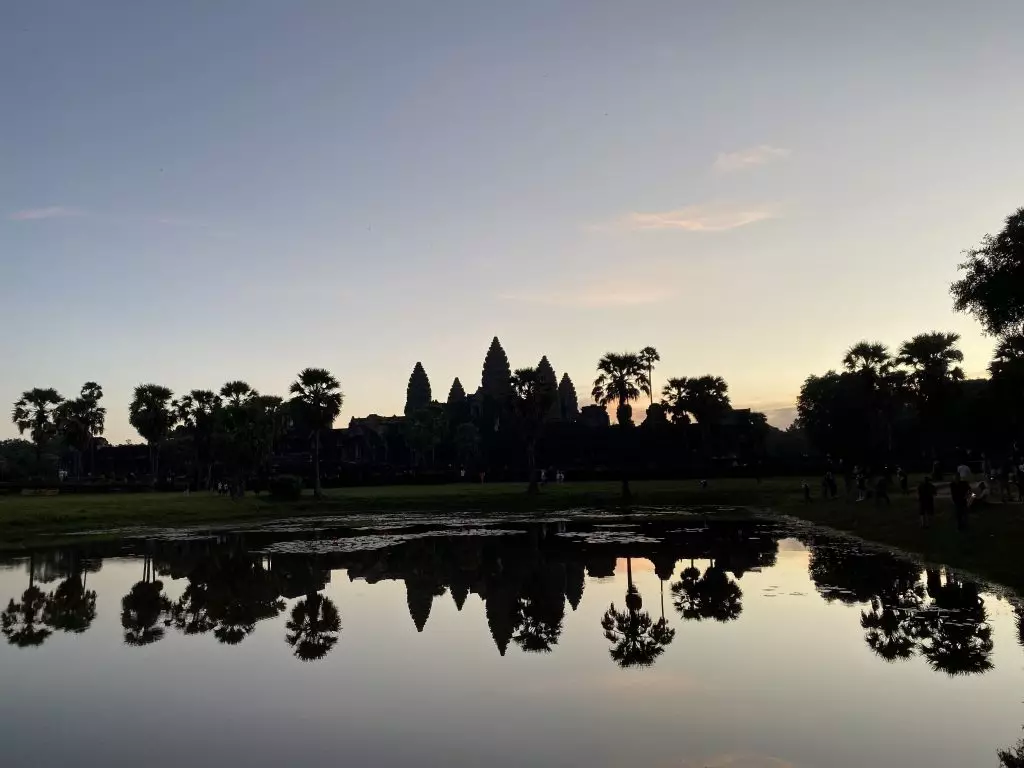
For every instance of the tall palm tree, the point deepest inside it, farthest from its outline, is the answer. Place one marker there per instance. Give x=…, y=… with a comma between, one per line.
x=648, y=357
x=933, y=363
x=237, y=392
x=883, y=383
x=146, y=610
x=22, y=623
x=317, y=398
x=152, y=415
x=81, y=421
x=313, y=627
x=532, y=399
x=71, y=607
x=621, y=379
x=34, y=413
x=1008, y=361
x=637, y=640
x=198, y=414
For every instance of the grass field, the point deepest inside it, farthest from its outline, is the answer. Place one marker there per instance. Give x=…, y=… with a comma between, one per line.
x=991, y=548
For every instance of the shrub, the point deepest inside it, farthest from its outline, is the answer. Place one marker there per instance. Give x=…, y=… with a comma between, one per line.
x=285, y=487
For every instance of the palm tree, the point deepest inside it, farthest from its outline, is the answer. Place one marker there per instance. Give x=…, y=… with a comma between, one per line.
x=648, y=357
x=317, y=398
x=34, y=413
x=882, y=382
x=197, y=414
x=22, y=623
x=637, y=640
x=933, y=362
x=145, y=610
x=237, y=392
x=1008, y=361
x=705, y=398
x=532, y=399
x=153, y=417
x=313, y=627
x=81, y=421
x=621, y=379
x=72, y=607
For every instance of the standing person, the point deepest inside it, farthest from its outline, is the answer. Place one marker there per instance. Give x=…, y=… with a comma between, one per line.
x=960, y=493
x=862, y=484
x=1005, y=471
x=963, y=471
x=833, y=487
x=806, y=488
x=926, y=501
x=901, y=475
x=882, y=490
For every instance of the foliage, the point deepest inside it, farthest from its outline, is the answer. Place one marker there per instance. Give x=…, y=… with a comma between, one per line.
x=22, y=623
x=82, y=420
x=417, y=394
x=34, y=413
x=467, y=444
x=636, y=640
x=313, y=627
x=992, y=287
x=703, y=397
x=236, y=392
x=152, y=415
x=285, y=487
x=316, y=403
x=533, y=395
x=621, y=379
x=648, y=357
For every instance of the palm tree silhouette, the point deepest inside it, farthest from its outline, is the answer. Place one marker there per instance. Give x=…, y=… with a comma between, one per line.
x=317, y=399
x=637, y=640
x=621, y=379
x=145, y=610
x=954, y=631
x=313, y=627
x=71, y=607
x=22, y=623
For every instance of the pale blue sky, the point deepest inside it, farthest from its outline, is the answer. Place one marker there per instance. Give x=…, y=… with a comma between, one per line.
x=192, y=192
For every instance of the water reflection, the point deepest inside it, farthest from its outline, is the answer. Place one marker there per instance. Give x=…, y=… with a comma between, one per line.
x=942, y=618
x=525, y=575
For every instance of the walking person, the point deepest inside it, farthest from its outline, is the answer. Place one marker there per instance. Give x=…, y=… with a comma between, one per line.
x=882, y=490
x=926, y=501
x=901, y=475
x=960, y=493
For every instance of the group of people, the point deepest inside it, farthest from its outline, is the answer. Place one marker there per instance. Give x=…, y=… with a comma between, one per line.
x=997, y=480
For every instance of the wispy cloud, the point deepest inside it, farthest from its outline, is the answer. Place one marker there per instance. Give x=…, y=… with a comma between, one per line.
x=711, y=217
x=52, y=212
x=595, y=296
x=728, y=162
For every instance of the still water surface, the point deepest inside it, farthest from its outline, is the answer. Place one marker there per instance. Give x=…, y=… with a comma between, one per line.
x=658, y=643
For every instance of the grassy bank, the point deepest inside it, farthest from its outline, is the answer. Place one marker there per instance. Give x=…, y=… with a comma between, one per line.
x=990, y=548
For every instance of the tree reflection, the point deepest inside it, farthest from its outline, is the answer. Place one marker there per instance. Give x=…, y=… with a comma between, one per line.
x=145, y=610
x=712, y=595
x=71, y=607
x=637, y=640
x=955, y=636
x=313, y=627
x=22, y=622
x=541, y=610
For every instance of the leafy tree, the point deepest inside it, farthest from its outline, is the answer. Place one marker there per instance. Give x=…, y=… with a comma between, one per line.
x=882, y=383
x=934, y=371
x=830, y=411
x=317, y=400
x=417, y=394
x=992, y=288
x=22, y=623
x=199, y=417
x=703, y=397
x=18, y=460
x=648, y=357
x=247, y=435
x=34, y=413
x=1007, y=371
x=71, y=607
x=621, y=379
x=152, y=415
x=313, y=627
x=81, y=421
x=533, y=395
x=569, y=407
x=145, y=610
x=237, y=392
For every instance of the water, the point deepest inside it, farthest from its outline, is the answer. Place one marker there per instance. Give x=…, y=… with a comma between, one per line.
x=739, y=645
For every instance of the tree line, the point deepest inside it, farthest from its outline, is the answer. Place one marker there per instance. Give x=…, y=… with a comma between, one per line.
x=915, y=402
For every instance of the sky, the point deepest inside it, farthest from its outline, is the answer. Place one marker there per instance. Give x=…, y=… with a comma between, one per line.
x=195, y=192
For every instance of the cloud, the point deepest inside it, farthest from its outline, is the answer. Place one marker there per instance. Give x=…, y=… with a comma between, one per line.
x=52, y=212
x=711, y=217
x=595, y=296
x=727, y=162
